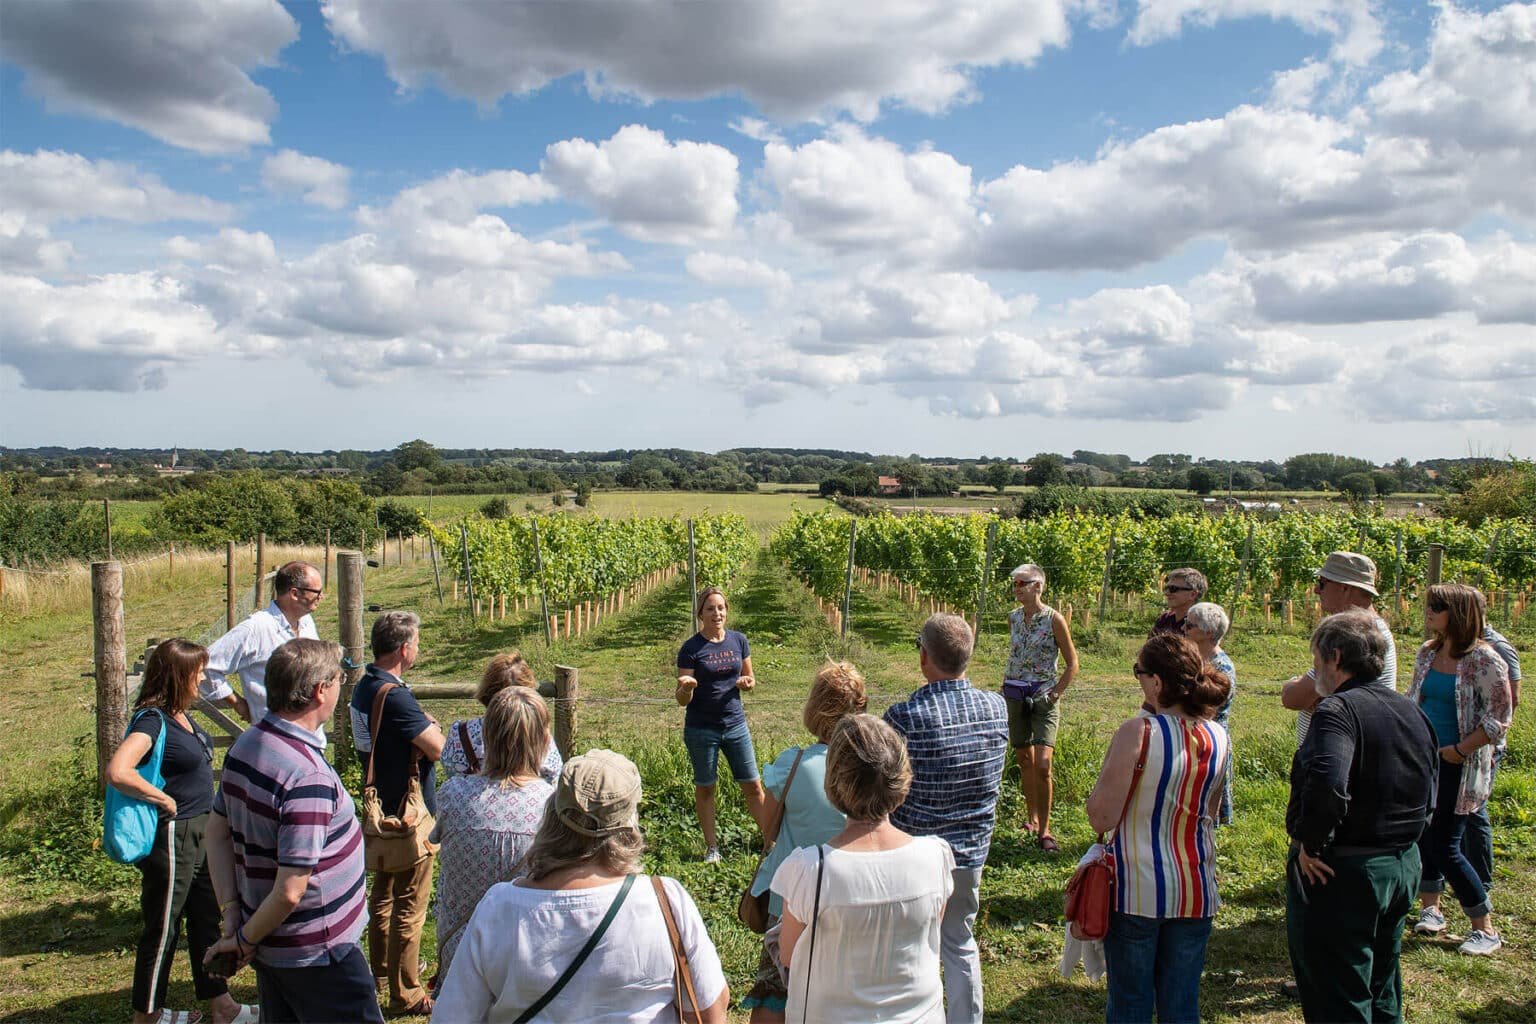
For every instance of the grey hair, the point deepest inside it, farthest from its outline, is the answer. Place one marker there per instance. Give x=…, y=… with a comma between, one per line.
x=1026, y=569
x=556, y=845
x=392, y=631
x=1211, y=617
x=297, y=670
x=1356, y=638
x=948, y=641
x=1189, y=577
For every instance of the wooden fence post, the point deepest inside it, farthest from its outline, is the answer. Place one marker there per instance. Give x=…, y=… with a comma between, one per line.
x=111, y=663
x=538, y=564
x=437, y=579
x=106, y=512
x=693, y=582
x=229, y=585
x=349, y=609
x=567, y=690
x=325, y=566
x=170, y=563
x=843, y=616
x=261, y=565
x=1432, y=572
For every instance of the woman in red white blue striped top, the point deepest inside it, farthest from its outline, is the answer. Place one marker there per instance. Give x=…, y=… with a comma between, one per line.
x=1164, y=846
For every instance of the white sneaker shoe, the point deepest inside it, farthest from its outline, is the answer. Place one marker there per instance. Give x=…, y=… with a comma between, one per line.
x=1480, y=943
x=712, y=856
x=1430, y=922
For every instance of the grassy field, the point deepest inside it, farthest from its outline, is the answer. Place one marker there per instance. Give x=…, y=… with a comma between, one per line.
x=69, y=919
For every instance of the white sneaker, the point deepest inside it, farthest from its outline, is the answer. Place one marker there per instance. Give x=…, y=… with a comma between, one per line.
x=1430, y=922
x=712, y=856
x=1480, y=943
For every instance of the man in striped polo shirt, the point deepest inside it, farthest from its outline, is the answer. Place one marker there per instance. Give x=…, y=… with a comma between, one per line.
x=957, y=740
x=286, y=852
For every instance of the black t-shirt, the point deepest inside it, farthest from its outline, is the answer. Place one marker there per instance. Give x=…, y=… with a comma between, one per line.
x=404, y=720
x=187, y=765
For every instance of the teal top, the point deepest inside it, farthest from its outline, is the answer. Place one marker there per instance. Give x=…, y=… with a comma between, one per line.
x=809, y=817
x=1438, y=699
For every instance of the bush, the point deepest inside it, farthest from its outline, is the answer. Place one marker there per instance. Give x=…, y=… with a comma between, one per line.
x=1061, y=498
x=498, y=508
x=1508, y=492
x=396, y=518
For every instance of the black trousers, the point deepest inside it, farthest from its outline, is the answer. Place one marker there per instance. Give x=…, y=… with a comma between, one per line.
x=341, y=989
x=175, y=883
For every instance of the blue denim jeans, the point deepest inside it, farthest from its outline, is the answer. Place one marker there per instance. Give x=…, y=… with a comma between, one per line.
x=705, y=745
x=1440, y=849
x=1154, y=964
x=1477, y=840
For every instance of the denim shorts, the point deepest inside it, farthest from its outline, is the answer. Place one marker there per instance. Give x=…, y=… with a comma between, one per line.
x=705, y=744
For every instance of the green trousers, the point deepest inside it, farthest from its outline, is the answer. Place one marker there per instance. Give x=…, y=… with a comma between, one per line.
x=1346, y=935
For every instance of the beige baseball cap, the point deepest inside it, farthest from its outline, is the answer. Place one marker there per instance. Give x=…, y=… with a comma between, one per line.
x=599, y=793
x=1351, y=569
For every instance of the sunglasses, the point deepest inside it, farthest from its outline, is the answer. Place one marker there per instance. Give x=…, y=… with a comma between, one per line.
x=1138, y=671
x=919, y=643
x=1169, y=588
x=1438, y=607
x=1027, y=583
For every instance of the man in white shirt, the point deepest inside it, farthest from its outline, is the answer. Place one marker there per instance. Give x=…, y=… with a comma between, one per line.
x=296, y=592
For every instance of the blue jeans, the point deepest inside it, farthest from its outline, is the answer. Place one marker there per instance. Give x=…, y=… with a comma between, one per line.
x=1440, y=849
x=1154, y=963
x=705, y=745
x=1477, y=841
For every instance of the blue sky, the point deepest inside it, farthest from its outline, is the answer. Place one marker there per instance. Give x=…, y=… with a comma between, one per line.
x=1239, y=228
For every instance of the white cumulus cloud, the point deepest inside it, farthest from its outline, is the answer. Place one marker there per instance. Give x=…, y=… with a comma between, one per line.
x=319, y=181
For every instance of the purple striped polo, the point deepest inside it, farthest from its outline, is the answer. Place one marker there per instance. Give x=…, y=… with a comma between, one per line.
x=287, y=808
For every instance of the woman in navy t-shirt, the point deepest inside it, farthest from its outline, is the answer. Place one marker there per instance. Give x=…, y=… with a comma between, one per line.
x=175, y=884
x=713, y=668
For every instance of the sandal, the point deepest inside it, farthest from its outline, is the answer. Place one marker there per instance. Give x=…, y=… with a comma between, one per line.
x=1030, y=828
x=422, y=1008
x=169, y=1016
x=249, y=1013
x=1048, y=844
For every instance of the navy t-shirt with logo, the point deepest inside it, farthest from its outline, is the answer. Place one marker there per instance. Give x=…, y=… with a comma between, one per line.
x=404, y=720
x=187, y=763
x=716, y=664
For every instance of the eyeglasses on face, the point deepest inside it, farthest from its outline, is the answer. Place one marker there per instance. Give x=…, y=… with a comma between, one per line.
x=1174, y=588
x=1138, y=671
x=1438, y=607
x=317, y=591
x=1187, y=627
x=1027, y=583
x=919, y=642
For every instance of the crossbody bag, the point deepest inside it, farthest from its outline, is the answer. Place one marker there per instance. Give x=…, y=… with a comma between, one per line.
x=751, y=910
x=1091, y=892
x=581, y=957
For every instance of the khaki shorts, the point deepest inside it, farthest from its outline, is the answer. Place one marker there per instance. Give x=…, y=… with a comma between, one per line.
x=1032, y=721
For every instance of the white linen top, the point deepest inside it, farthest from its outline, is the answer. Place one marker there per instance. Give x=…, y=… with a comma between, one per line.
x=520, y=940
x=245, y=650
x=877, y=951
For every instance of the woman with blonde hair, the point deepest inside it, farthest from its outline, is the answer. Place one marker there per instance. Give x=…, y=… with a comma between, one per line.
x=486, y=821
x=464, y=746
x=796, y=786
x=860, y=932
x=1462, y=685
x=583, y=913
x=174, y=883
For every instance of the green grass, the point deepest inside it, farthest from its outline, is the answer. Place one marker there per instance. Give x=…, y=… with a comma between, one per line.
x=68, y=918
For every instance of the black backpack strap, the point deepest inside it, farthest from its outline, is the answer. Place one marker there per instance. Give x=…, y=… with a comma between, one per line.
x=810, y=956
x=581, y=958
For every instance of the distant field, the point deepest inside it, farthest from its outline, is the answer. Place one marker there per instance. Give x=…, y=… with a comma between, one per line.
x=763, y=511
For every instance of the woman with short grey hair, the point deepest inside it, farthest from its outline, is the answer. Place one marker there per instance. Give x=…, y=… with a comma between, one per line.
x=1206, y=624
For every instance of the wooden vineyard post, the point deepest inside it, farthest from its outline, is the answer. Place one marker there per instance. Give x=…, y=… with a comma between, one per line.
x=399, y=548
x=981, y=585
x=111, y=663
x=538, y=565
x=1432, y=573
x=349, y=610
x=437, y=579
x=567, y=691
x=170, y=563
x=1397, y=583
x=229, y=585
x=1242, y=569
x=106, y=513
x=843, y=616
x=469, y=571
x=261, y=564
x=693, y=581
x=1109, y=563
x=325, y=566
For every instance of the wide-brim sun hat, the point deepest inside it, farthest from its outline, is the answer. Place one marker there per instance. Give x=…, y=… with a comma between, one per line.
x=598, y=793
x=1350, y=568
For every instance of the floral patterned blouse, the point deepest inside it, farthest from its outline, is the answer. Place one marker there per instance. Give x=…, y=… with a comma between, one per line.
x=485, y=826
x=1482, y=699
x=1031, y=647
x=456, y=763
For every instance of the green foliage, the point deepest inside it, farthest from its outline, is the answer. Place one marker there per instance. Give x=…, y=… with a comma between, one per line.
x=234, y=507
x=1201, y=480
x=52, y=835
x=1045, y=469
x=496, y=508
x=942, y=556
x=398, y=518
x=1059, y=498
x=1508, y=492
x=998, y=475
x=1358, y=485
x=587, y=556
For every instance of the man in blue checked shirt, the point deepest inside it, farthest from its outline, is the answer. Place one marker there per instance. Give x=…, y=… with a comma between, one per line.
x=957, y=740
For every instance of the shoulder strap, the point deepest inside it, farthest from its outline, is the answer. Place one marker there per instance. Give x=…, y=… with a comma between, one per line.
x=1141, y=764
x=469, y=748
x=157, y=752
x=772, y=835
x=682, y=981
x=581, y=957
x=374, y=724
x=810, y=955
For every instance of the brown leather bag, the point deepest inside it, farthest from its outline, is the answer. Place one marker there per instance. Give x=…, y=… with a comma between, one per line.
x=682, y=978
x=1091, y=892
x=394, y=842
x=751, y=910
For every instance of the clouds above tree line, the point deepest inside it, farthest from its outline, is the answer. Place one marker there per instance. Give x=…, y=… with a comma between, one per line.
x=845, y=259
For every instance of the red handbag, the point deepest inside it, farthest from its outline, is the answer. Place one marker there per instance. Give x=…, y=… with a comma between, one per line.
x=1091, y=892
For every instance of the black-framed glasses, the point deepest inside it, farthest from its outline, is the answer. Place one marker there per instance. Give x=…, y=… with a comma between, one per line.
x=1187, y=627
x=1174, y=588
x=204, y=742
x=1438, y=607
x=1138, y=671
x=1028, y=583
x=317, y=591
x=919, y=641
